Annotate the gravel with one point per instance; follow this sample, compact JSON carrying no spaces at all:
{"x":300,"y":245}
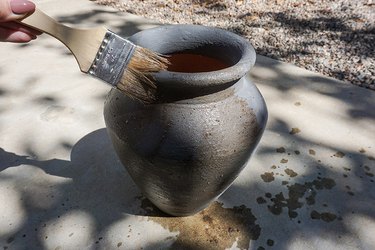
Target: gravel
{"x":333,"y":37}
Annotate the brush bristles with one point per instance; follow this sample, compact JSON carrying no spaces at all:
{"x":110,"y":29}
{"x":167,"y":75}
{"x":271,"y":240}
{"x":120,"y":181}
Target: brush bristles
{"x":137,"y":80}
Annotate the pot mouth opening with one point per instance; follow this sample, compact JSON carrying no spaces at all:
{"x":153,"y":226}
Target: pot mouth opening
{"x":193,"y":61}
{"x":203,"y":59}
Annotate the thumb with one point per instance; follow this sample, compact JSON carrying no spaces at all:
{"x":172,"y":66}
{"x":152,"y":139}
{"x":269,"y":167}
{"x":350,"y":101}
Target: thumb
{"x":15,"y":9}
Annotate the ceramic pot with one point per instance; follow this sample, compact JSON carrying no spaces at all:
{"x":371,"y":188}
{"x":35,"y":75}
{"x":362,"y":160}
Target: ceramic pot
{"x":186,"y":149}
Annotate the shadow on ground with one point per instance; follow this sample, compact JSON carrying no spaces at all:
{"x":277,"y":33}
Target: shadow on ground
{"x":94,"y":18}
{"x":96,"y":184}
{"x":311,"y":191}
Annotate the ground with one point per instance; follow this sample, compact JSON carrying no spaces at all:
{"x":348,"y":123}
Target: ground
{"x":334,"y":38}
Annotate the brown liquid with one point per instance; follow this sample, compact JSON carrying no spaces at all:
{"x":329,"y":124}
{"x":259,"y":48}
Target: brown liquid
{"x":192,"y":63}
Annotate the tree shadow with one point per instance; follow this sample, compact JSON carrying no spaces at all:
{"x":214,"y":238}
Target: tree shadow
{"x":306,"y":189}
{"x":301,"y":202}
{"x":353,"y":44}
{"x":96,"y":184}
{"x":312,"y":190}
{"x":112,"y":20}
{"x":100,"y":17}
{"x":359,"y":104}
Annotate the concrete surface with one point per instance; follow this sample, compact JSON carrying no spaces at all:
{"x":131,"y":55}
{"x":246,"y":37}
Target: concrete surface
{"x":310,"y":184}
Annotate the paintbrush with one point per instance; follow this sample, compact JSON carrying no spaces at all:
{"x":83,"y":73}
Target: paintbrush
{"x":106,"y":55}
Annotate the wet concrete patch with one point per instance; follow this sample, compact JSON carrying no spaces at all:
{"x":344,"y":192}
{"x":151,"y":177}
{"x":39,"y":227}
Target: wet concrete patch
{"x":324,"y":216}
{"x":270,"y":242}
{"x":298,"y":195}
{"x":367,"y":171}
{"x":339,"y":154}
{"x":261,"y":200}
{"x":284,"y":161}
{"x":304,"y":197}
{"x":290,"y":172}
{"x":280,"y":150}
{"x":305,"y":194}
{"x":215,"y":227}
{"x":55,"y":113}
{"x":294,"y":131}
{"x":268,"y":176}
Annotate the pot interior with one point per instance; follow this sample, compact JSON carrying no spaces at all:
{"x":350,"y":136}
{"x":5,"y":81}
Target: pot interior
{"x":195,"y":62}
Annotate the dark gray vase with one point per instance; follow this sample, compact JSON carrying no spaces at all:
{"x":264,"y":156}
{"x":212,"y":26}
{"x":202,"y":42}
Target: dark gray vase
{"x":186,"y":149}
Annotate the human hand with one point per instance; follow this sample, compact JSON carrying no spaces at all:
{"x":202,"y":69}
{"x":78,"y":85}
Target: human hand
{"x":10,"y":30}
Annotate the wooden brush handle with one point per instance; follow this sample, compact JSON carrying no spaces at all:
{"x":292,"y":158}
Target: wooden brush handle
{"x":83,"y":43}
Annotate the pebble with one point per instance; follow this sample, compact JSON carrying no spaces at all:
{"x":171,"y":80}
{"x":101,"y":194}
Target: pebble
{"x":334,"y":38}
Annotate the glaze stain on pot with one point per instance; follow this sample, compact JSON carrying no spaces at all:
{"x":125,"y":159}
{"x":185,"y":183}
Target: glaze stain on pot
{"x":194,"y":63}
{"x":215,"y":227}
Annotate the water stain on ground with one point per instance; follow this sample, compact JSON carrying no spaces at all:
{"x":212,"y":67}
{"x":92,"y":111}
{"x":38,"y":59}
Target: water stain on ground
{"x":294,"y":131}
{"x":290,"y":172}
{"x":362,"y":151}
{"x":55,"y":113}
{"x":324,"y":216}
{"x":261,"y":200}
{"x":284,"y":161}
{"x":270,"y":242}
{"x":280,"y":150}
{"x":298,"y":195}
{"x":268,"y":176}
{"x":339,"y":154}
{"x":215,"y":227}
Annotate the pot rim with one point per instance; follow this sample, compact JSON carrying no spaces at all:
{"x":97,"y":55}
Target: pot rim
{"x":194,"y":34}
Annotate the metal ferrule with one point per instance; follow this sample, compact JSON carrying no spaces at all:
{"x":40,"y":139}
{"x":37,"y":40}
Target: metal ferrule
{"x":112,"y":58}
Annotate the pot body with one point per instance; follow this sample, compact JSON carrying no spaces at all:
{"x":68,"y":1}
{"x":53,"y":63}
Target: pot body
{"x":187,"y":148}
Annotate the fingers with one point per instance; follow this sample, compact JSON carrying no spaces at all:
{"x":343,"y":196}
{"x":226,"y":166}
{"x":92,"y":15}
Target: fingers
{"x":10,"y":31}
{"x":21,"y":6}
{"x":15,"y":9}
{"x":15,"y":36}
{"x":19,"y":27}
{"x":15,"y":32}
